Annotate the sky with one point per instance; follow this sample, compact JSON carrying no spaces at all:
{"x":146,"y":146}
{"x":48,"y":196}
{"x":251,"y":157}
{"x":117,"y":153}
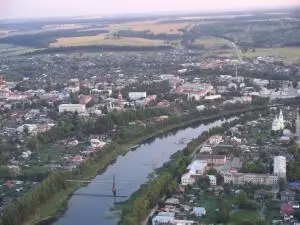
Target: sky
{"x":68,"y":8}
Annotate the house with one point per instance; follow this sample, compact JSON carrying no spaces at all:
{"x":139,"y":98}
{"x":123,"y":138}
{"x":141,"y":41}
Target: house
{"x":212,"y":180}
{"x":205,"y":148}
{"x":211,"y":159}
{"x":73,"y":142}
{"x":287,"y":195}
{"x":197,"y":167}
{"x":187,"y":179}
{"x":285,"y":140}
{"x":77,"y":159}
{"x":163,"y":218}
{"x":137,"y":95}
{"x":199,"y":211}
{"x":242,"y":178}
{"x":235,"y":141}
{"x":80,"y":108}
{"x":26,"y":154}
{"x":172,"y":201}
{"x":215,"y":140}
{"x":31,"y":128}
{"x":200,"y":108}
{"x":96,"y":143}
{"x":85,"y":99}
{"x":212,"y":97}
{"x":286,"y":209}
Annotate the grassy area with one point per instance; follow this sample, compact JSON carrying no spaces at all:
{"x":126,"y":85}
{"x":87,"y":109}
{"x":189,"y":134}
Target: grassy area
{"x":210,"y":203}
{"x":10,"y":50}
{"x":103,"y":40}
{"x":50,"y":208}
{"x":210,"y":42}
{"x":243,"y":215}
{"x":155,"y":27}
{"x":289,"y":53}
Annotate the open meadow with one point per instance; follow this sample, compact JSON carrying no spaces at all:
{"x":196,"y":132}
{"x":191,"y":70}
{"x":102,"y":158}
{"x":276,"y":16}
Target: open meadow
{"x":155,"y":27}
{"x":290,"y":54}
{"x":104,"y":40}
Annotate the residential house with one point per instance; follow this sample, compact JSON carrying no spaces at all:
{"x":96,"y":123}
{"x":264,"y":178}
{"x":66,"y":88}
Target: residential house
{"x":212,"y":180}
{"x":214,"y":160}
{"x":96,"y":143}
{"x":215,"y":140}
{"x":163,"y":218}
{"x":287,"y":196}
{"x":199,"y":211}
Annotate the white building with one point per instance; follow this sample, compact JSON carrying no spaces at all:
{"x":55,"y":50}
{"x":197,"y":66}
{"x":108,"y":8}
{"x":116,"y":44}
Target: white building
{"x":80,"y":108}
{"x":212,"y":97}
{"x":137,"y":95}
{"x":279,"y":166}
{"x":212,"y":180}
{"x":200,"y":107}
{"x":32,"y":128}
{"x":242,"y":178}
{"x":215,"y":140}
{"x":187,"y":179}
{"x":278,"y":122}
{"x":197,"y":167}
{"x":96,"y":143}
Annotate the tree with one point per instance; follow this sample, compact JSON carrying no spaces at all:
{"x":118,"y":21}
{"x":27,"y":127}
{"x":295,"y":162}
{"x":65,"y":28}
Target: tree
{"x":26,"y":130}
{"x":281,"y":184}
{"x":242,"y":199}
{"x":224,"y":211}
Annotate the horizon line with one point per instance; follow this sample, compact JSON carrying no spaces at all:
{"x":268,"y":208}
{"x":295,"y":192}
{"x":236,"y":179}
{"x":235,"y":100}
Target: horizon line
{"x":156,"y":13}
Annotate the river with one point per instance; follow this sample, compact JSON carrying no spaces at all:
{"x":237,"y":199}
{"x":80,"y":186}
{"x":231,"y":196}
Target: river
{"x":133,"y":168}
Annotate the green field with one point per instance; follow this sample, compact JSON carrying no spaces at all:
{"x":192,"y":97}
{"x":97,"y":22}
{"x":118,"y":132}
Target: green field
{"x":290,"y":54}
{"x":103,"y":40}
{"x":244,"y":215}
{"x":211,"y":42}
{"x":11,"y":50}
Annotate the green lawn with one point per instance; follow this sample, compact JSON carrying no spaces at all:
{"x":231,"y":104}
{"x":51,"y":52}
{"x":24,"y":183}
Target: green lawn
{"x":242,"y":215}
{"x":211,"y":42}
{"x":50,"y":207}
{"x":210,"y":203}
{"x":291,"y":54}
{"x":10,"y":50}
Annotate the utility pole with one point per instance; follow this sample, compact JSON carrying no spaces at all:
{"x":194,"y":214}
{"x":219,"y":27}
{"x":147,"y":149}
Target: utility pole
{"x":114,"y":191}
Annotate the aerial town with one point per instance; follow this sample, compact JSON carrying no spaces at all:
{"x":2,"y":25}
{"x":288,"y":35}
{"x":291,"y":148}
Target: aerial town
{"x":190,"y":131}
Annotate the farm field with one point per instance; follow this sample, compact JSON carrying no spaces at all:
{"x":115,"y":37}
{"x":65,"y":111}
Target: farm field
{"x":290,"y":54}
{"x":64,"y":27}
{"x":9,"y":50}
{"x":155,"y":27}
{"x":211,"y":42}
{"x":103,"y":40}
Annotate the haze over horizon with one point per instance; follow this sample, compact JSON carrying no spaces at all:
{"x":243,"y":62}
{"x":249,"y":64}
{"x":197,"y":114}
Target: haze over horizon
{"x":26,"y":9}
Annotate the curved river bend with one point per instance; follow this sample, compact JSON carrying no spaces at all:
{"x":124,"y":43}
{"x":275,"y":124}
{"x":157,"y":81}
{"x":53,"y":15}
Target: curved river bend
{"x":134,"y":167}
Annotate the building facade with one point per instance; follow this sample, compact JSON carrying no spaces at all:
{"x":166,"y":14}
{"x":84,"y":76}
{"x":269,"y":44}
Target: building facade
{"x":242,"y":178}
{"x":137,"y":95}
{"x":80,"y":108}
{"x":280,"y":166}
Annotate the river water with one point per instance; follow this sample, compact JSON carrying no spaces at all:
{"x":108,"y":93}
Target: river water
{"x":134,"y":167}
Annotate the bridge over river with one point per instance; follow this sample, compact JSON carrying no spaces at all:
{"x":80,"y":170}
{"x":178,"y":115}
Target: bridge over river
{"x":91,"y":204}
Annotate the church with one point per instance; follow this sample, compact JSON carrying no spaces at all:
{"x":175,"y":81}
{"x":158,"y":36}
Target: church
{"x":278,"y":123}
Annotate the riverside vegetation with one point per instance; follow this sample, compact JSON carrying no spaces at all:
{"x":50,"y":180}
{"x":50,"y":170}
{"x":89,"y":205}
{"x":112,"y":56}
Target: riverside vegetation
{"x":148,"y":196}
{"x":54,"y":190}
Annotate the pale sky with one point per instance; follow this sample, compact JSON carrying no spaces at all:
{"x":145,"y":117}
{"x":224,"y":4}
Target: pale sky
{"x":66,"y":8}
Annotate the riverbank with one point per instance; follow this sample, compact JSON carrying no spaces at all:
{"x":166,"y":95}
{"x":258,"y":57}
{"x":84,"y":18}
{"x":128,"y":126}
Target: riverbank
{"x":138,"y":206}
{"x":99,"y":164}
